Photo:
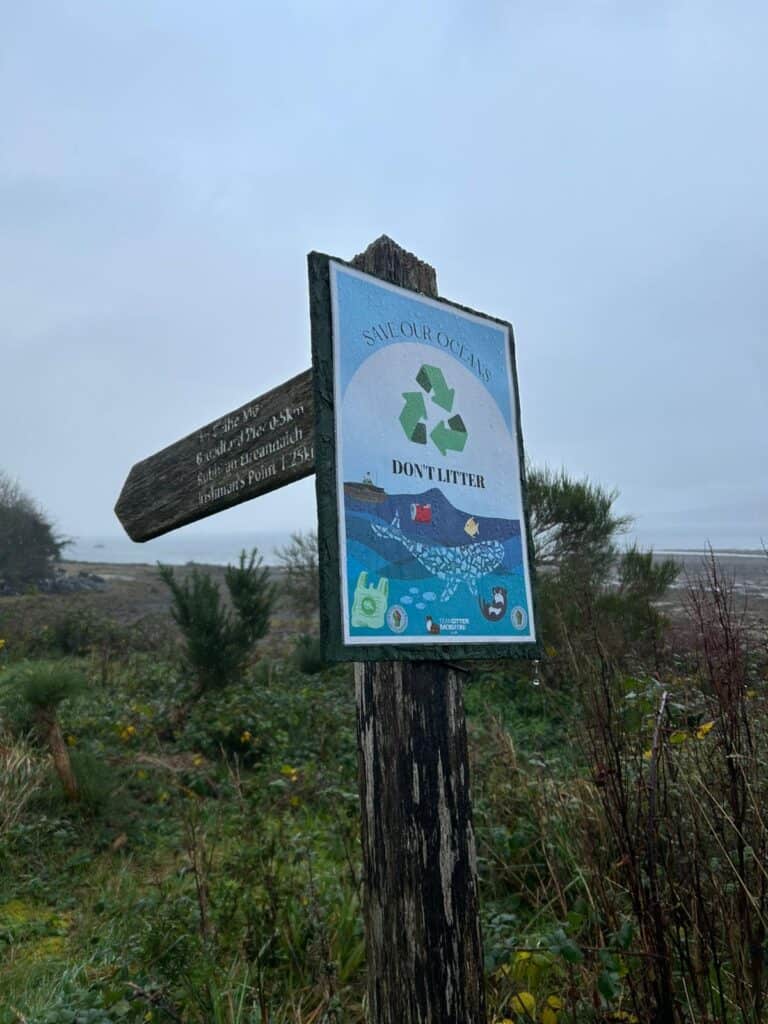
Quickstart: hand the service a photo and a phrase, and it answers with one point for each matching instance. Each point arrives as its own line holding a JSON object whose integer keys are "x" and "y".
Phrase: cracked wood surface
{"x": 425, "y": 960}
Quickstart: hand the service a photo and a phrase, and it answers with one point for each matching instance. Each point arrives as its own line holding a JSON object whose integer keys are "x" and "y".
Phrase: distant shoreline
{"x": 731, "y": 552}
{"x": 179, "y": 560}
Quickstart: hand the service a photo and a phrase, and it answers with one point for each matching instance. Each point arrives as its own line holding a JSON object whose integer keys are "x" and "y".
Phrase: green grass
{"x": 251, "y": 801}
{"x": 211, "y": 870}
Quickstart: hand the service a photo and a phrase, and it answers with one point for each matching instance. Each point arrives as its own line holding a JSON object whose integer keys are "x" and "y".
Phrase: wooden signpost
{"x": 424, "y": 951}
{"x": 263, "y": 445}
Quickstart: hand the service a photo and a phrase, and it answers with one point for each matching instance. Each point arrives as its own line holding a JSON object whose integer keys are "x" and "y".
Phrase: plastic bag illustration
{"x": 369, "y": 606}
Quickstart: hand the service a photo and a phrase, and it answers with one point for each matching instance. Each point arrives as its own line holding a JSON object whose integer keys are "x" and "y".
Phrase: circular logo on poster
{"x": 519, "y": 617}
{"x": 397, "y": 618}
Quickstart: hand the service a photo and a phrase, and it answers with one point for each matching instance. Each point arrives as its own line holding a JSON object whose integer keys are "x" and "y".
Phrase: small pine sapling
{"x": 252, "y": 594}
{"x": 218, "y": 642}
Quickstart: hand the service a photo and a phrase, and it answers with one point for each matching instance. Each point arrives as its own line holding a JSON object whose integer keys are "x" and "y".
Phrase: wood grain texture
{"x": 425, "y": 962}
{"x": 258, "y": 447}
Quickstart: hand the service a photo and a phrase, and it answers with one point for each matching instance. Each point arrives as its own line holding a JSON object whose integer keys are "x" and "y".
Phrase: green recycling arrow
{"x": 414, "y": 411}
{"x": 431, "y": 379}
{"x": 453, "y": 436}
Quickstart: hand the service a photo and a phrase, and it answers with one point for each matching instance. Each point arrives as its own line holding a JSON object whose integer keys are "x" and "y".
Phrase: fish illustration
{"x": 472, "y": 527}
{"x": 466, "y": 564}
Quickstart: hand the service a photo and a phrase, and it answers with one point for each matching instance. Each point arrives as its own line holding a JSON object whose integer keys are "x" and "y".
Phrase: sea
{"x": 176, "y": 548}
{"x": 209, "y": 548}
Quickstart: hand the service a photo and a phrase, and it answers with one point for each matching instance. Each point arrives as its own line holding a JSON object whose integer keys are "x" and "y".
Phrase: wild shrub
{"x": 630, "y": 618}
{"x": 42, "y": 686}
{"x": 217, "y": 642}
{"x": 573, "y": 522}
{"x": 591, "y": 594}
{"x": 308, "y": 655}
{"x": 653, "y": 865}
{"x": 28, "y": 545}
{"x": 21, "y": 775}
{"x": 679, "y": 778}
{"x": 274, "y": 713}
{"x": 300, "y": 581}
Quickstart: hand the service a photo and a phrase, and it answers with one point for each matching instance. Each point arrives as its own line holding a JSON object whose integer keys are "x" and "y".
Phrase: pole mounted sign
{"x": 419, "y": 485}
{"x": 410, "y": 418}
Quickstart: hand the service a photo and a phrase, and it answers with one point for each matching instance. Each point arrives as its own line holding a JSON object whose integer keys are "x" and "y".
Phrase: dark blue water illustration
{"x": 419, "y": 566}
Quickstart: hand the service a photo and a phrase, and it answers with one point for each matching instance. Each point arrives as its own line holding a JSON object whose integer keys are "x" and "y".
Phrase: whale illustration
{"x": 466, "y": 564}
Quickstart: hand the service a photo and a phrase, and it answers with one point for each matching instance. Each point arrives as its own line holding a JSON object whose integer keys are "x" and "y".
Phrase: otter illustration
{"x": 494, "y": 609}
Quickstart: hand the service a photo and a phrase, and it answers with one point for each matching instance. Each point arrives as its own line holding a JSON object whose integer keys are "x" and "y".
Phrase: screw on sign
{"x": 417, "y": 838}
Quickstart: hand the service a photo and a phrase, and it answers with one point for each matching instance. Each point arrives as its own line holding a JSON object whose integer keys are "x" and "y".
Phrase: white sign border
{"x": 334, "y": 267}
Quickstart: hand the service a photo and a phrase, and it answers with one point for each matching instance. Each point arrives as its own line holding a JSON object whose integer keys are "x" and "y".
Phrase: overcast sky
{"x": 594, "y": 172}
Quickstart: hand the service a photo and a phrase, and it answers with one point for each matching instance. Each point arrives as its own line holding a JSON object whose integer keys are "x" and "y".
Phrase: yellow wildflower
{"x": 71, "y": 740}
{"x": 550, "y": 1010}
{"x": 245, "y": 736}
{"x": 2, "y": 644}
{"x": 647, "y": 755}
{"x": 197, "y": 760}
{"x": 704, "y": 730}
{"x": 291, "y": 773}
{"x": 524, "y": 1003}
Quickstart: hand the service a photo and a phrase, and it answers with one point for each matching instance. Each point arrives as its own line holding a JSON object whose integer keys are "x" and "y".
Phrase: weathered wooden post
{"x": 423, "y": 559}
{"x": 425, "y": 958}
{"x": 425, "y": 962}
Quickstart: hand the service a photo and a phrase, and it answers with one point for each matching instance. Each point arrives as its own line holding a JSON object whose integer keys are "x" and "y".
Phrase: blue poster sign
{"x": 431, "y": 530}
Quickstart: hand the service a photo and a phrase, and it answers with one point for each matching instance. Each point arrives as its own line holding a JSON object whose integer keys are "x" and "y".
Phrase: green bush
{"x": 590, "y": 595}
{"x": 308, "y": 655}
{"x": 573, "y": 523}
{"x": 218, "y": 642}
{"x": 28, "y": 546}
{"x": 276, "y": 714}
{"x": 43, "y": 685}
{"x": 300, "y": 582}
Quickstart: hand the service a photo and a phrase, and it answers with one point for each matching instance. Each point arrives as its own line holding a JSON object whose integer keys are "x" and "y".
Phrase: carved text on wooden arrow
{"x": 257, "y": 448}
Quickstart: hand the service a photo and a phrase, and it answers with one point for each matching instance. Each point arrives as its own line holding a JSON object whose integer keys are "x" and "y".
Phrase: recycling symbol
{"x": 450, "y": 435}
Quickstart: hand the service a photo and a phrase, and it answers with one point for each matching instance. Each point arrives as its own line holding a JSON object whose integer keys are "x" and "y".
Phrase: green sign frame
{"x": 332, "y": 577}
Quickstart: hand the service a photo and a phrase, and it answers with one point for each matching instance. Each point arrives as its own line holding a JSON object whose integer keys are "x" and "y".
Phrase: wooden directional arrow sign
{"x": 264, "y": 444}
